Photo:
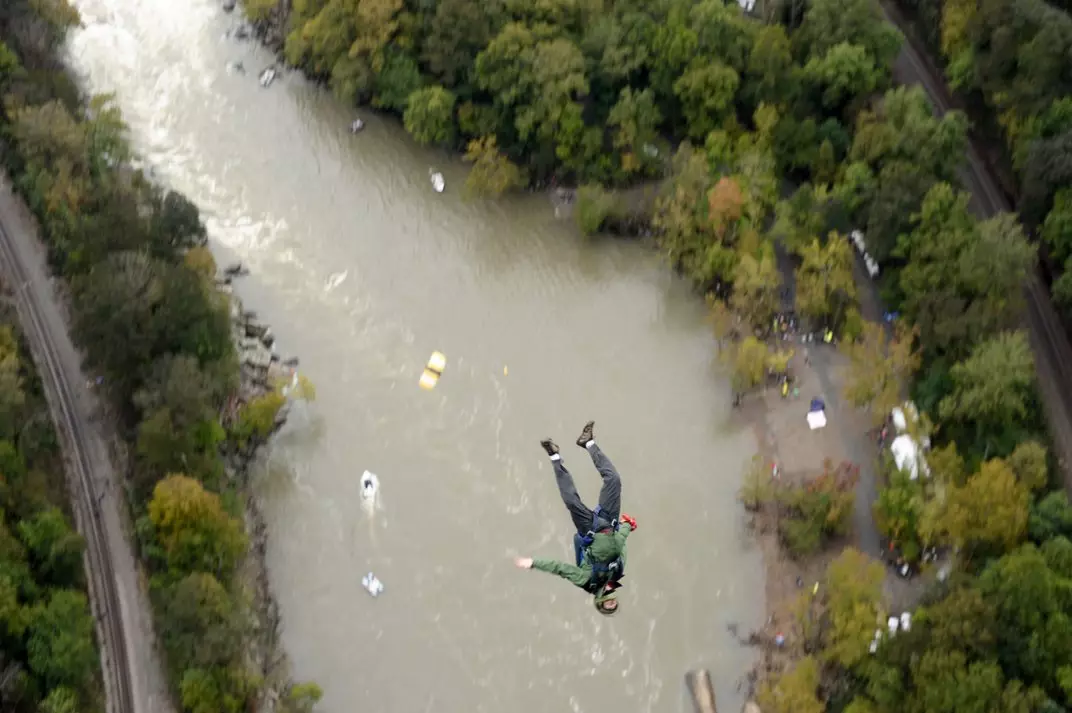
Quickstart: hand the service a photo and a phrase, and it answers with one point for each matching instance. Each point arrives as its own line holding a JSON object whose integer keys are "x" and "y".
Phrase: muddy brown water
{"x": 364, "y": 271}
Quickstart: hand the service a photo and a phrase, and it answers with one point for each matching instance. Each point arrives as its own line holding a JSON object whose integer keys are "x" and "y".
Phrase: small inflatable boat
{"x": 267, "y": 77}
{"x": 370, "y": 485}
{"x": 356, "y": 126}
{"x": 438, "y": 184}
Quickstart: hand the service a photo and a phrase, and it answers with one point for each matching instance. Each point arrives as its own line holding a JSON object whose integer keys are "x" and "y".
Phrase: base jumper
{"x": 599, "y": 545}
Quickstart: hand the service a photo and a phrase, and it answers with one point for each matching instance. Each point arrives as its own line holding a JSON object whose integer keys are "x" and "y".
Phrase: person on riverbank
{"x": 599, "y": 543}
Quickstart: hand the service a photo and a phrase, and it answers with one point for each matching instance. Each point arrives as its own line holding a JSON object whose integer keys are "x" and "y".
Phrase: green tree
{"x": 770, "y": 66}
{"x": 493, "y": 173}
{"x": 60, "y": 641}
{"x": 962, "y": 279}
{"x": 179, "y": 403}
{"x": 843, "y": 74}
{"x": 993, "y": 387}
{"x": 758, "y": 486}
{"x": 12, "y": 396}
{"x": 793, "y": 692}
{"x": 201, "y": 625}
{"x": 429, "y": 116}
{"x": 990, "y": 511}
{"x": 1028, "y": 463}
{"x": 880, "y": 369}
{"x": 756, "y": 289}
{"x": 1051, "y": 517}
{"x": 593, "y": 206}
{"x": 60, "y": 700}
{"x": 749, "y": 363}
{"x": 1032, "y": 626}
{"x": 706, "y": 92}
{"x": 635, "y": 118}
{"x": 826, "y": 288}
{"x": 852, "y": 594}
{"x": 55, "y": 549}
{"x": 193, "y": 530}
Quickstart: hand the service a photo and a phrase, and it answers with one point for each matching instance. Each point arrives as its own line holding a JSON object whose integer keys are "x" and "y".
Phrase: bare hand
{"x": 523, "y": 562}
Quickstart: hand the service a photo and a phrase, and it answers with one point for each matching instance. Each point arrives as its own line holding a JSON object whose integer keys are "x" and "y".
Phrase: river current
{"x": 363, "y": 271}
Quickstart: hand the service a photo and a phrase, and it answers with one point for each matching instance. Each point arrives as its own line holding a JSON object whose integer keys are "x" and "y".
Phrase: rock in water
{"x": 229, "y": 5}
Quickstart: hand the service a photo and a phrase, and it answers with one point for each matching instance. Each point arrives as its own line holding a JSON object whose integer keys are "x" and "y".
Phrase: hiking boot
{"x": 586, "y": 434}
{"x": 550, "y": 447}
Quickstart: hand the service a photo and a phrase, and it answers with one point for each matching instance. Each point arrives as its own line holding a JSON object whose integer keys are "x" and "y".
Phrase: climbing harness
{"x": 590, "y": 536}
{"x": 602, "y": 572}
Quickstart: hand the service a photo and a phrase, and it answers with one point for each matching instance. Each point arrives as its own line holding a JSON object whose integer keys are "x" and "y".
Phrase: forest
{"x": 48, "y": 656}
{"x": 1009, "y": 62}
{"x": 772, "y": 135}
{"x": 146, "y": 310}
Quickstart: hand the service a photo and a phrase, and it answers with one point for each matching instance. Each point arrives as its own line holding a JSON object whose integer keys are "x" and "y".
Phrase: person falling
{"x": 599, "y": 545}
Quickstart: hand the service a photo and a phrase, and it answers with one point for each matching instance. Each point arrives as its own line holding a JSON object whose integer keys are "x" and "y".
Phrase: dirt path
{"x": 134, "y": 680}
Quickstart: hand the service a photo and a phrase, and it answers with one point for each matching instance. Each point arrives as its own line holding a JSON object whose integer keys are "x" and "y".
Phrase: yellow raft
{"x": 433, "y": 370}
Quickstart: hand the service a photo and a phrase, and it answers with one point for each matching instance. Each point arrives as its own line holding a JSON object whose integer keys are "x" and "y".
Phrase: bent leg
{"x": 610, "y": 495}
{"x": 579, "y": 512}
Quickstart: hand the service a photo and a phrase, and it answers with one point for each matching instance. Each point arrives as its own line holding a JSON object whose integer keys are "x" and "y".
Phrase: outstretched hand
{"x": 630, "y": 520}
{"x": 523, "y": 562}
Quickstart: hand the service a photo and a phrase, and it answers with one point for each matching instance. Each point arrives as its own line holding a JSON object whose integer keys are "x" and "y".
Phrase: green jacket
{"x": 605, "y": 547}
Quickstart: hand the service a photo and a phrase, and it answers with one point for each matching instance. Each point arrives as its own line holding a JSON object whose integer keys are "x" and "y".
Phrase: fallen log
{"x": 702, "y": 691}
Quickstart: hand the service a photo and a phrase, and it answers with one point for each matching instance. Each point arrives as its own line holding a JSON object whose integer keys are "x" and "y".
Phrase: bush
{"x": 593, "y": 206}
{"x": 819, "y": 509}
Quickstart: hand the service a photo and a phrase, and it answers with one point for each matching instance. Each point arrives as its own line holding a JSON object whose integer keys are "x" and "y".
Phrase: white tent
{"x": 907, "y": 457}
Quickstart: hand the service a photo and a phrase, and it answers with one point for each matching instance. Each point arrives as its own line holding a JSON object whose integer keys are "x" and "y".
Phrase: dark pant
{"x": 610, "y": 495}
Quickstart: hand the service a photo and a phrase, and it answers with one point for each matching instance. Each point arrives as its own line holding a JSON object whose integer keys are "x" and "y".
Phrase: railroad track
{"x": 115, "y": 663}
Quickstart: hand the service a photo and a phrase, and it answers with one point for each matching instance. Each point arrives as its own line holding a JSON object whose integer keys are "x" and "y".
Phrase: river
{"x": 364, "y": 271}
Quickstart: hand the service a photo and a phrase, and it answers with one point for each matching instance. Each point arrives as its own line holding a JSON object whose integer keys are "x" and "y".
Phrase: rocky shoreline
{"x": 262, "y": 373}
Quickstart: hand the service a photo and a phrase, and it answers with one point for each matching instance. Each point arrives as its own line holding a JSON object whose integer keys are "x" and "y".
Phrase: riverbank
{"x": 184, "y": 377}
{"x": 797, "y": 455}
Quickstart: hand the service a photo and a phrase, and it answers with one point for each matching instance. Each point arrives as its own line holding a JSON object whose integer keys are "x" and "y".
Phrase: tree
{"x": 725, "y": 204}
{"x": 853, "y": 593}
{"x": 706, "y": 92}
{"x": 1028, "y": 463}
{"x": 1031, "y": 624}
{"x": 179, "y": 431}
{"x": 429, "y": 116}
{"x": 800, "y": 220}
{"x": 635, "y": 118}
{"x": 880, "y": 368}
{"x": 60, "y": 700}
{"x": 749, "y": 364}
{"x": 1051, "y": 517}
{"x": 758, "y": 486}
{"x": 843, "y": 74}
{"x": 826, "y": 288}
{"x": 990, "y": 511}
{"x": 593, "y": 205}
{"x": 756, "y": 289}
{"x": 193, "y": 530}
{"x": 962, "y": 279}
{"x": 794, "y": 691}
{"x": 60, "y": 645}
{"x": 770, "y": 66}
{"x": 460, "y": 29}
{"x": 493, "y": 173}
{"x": 55, "y": 549}
{"x": 12, "y": 396}
{"x": 899, "y": 513}
{"x": 828, "y": 23}
{"x": 201, "y": 625}
{"x": 993, "y": 387}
